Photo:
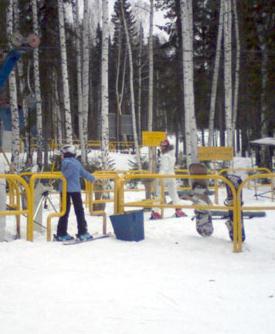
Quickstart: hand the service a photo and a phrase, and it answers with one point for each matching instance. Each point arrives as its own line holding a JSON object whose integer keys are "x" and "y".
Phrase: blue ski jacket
{"x": 8, "y": 65}
{"x": 72, "y": 169}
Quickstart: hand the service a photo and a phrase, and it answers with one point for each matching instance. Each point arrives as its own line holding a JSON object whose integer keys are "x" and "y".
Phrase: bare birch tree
{"x": 215, "y": 77}
{"x": 131, "y": 70}
{"x": 140, "y": 49}
{"x": 21, "y": 78}
{"x": 151, "y": 67}
{"x": 120, "y": 72}
{"x": 228, "y": 70}
{"x": 65, "y": 78}
{"x": 37, "y": 90}
{"x": 56, "y": 108}
{"x": 104, "y": 86}
{"x": 188, "y": 80}
{"x": 85, "y": 69}
{"x": 152, "y": 150}
{"x": 237, "y": 67}
{"x": 15, "y": 149}
{"x": 79, "y": 81}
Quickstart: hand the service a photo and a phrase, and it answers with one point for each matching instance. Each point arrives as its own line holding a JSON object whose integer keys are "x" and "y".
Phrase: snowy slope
{"x": 173, "y": 282}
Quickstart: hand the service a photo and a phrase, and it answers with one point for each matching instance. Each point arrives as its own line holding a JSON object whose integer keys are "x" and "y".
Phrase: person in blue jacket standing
{"x": 73, "y": 170}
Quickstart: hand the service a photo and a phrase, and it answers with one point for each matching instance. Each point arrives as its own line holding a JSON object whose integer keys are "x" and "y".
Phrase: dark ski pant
{"x": 79, "y": 212}
{"x": 8, "y": 65}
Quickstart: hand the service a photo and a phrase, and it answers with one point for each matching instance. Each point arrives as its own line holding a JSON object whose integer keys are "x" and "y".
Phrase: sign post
{"x": 213, "y": 153}
{"x": 153, "y": 138}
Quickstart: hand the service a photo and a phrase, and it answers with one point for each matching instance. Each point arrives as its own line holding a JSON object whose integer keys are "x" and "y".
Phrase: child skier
{"x": 72, "y": 169}
{"x": 167, "y": 166}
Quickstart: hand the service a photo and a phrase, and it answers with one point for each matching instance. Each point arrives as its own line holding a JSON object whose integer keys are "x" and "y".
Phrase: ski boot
{"x": 179, "y": 213}
{"x": 84, "y": 237}
{"x": 155, "y": 215}
{"x": 65, "y": 237}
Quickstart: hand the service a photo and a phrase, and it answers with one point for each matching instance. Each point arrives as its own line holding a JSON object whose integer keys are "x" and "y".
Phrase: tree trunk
{"x": 190, "y": 120}
{"x": 152, "y": 163}
{"x": 79, "y": 83}
{"x": 129, "y": 48}
{"x": 228, "y": 70}
{"x": 237, "y": 68}
{"x": 65, "y": 78}
{"x": 139, "y": 81}
{"x": 15, "y": 149}
{"x": 215, "y": 77}
{"x": 37, "y": 90}
{"x": 85, "y": 71}
{"x": 22, "y": 81}
{"x": 104, "y": 86}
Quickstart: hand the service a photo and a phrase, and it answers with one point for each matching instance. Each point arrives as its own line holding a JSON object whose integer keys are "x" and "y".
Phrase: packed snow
{"x": 172, "y": 282}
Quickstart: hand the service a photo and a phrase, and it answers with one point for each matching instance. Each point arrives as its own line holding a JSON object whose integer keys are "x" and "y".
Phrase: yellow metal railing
{"x": 118, "y": 189}
{"x": 96, "y": 144}
{"x": 161, "y": 204}
{"x": 15, "y": 181}
{"x": 241, "y": 208}
{"x": 254, "y": 170}
{"x": 91, "y": 191}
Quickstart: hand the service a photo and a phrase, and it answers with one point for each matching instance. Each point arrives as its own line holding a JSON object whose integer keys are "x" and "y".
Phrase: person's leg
{"x": 63, "y": 221}
{"x": 173, "y": 193}
{"x": 156, "y": 212}
{"x": 172, "y": 190}
{"x": 79, "y": 212}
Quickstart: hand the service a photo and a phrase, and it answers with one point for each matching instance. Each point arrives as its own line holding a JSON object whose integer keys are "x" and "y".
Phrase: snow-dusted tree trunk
{"x": 263, "y": 25}
{"x": 152, "y": 158}
{"x": 237, "y": 67}
{"x": 131, "y": 69}
{"x": 139, "y": 80}
{"x": 56, "y": 110}
{"x": 188, "y": 80}
{"x": 120, "y": 91}
{"x": 79, "y": 82}
{"x": 228, "y": 71}
{"x": 151, "y": 68}
{"x": 37, "y": 90}
{"x": 215, "y": 77}
{"x": 15, "y": 149}
{"x": 85, "y": 70}
{"x": 65, "y": 78}
{"x": 104, "y": 85}
{"x": 21, "y": 79}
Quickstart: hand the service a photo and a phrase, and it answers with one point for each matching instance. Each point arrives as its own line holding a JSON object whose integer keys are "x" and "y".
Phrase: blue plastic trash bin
{"x": 129, "y": 226}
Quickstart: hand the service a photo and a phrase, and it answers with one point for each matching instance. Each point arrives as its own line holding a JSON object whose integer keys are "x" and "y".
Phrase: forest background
{"x": 251, "y": 69}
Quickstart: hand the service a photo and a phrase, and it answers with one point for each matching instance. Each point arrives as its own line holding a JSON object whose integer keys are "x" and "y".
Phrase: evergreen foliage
{"x": 256, "y": 19}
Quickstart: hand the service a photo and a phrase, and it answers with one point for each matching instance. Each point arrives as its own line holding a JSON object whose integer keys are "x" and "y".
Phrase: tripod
{"x": 43, "y": 202}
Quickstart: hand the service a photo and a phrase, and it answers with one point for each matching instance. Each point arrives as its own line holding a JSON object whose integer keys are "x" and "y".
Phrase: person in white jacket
{"x": 167, "y": 166}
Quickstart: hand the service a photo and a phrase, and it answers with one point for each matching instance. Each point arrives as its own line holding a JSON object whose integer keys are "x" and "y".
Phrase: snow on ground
{"x": 172, "y": 282}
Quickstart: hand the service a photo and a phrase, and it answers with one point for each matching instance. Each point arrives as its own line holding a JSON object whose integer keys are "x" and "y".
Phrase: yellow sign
{"x": 152, "y": 138}
{"x": 215, "y": 153}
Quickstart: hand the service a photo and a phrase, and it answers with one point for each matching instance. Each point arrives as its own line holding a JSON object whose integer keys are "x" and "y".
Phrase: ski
{"x": 77, "y": 241}
{"x": 216, "y": 214}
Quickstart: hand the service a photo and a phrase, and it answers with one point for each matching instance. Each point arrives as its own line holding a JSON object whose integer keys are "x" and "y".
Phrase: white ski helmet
{"x": 68, "y": 149}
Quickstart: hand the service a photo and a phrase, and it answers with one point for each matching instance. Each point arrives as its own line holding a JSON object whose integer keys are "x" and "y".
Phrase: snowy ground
{"x": 172, "y": 282}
